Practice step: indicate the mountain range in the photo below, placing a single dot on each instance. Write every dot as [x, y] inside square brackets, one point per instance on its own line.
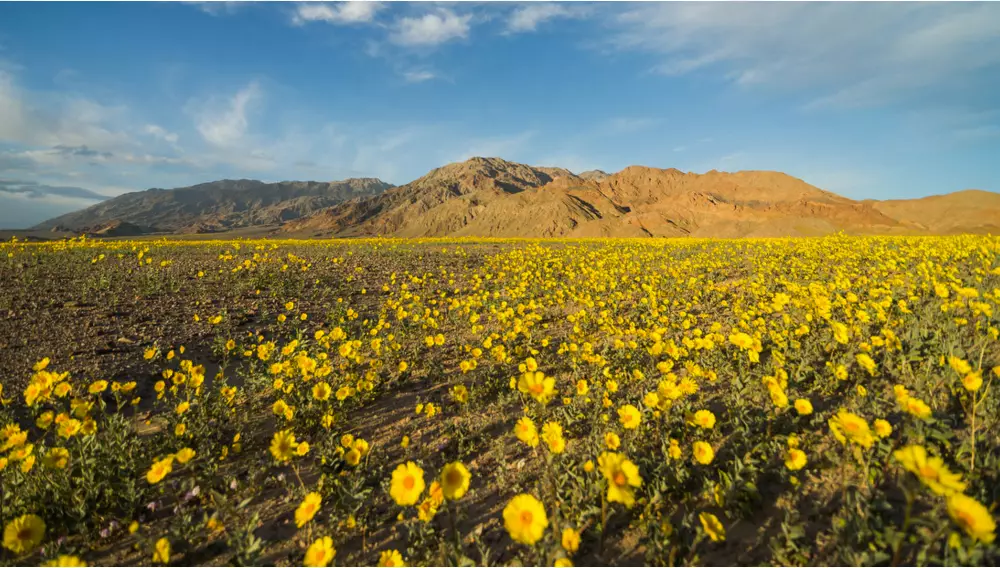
[492, 197]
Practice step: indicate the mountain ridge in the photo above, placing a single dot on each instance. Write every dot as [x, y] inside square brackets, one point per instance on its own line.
[493, 197]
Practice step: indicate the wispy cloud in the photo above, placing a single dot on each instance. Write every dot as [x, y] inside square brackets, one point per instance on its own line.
[529, 17]
[418, 76]
[358, 12]
[224, 125]
[160, 133]
[848, 54]
[433, 28]
[628, 125]
[36, 190]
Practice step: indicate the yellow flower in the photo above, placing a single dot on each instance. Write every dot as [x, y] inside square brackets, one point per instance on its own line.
[307, 509]
[407, 484]
[972, 516]
[552, 434]
[403, 366]
[703, 419]
[882, 428]
[66, 560]
[56, 458]
[455, 480]
[525, 519]
[160, 469]
[931, 470]
[320, 552]
[460, 394]
[24, 534]
[185, 455]
[612, 441]
[41, 365]
[526, 431]
[712, 526]
[570, 540]
[405, 442]
[97, 387]
[581, 388]
[563, 563]
[391, 558]
[622, 476]
[795, 459]
[674, 451]
[161, 552]
[322, 391]
[283, 445]
[803, 407]
[973, 381]
[847, 426]
[588, 466]
[180, 429]
[70, 428]
[959, 365]
[629, 416]
[183, 407]
[537, 385]
[916, 407]
[703, 452]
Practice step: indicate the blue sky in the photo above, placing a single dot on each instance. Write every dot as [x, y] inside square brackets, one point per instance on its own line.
[869, 100]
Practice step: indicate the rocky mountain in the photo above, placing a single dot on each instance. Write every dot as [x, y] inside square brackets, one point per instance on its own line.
[494, 197]
[213, 207]
[968, 211]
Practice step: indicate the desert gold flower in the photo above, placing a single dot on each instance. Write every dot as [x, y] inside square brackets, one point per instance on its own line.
[931, 470]
[185, 455]
[455, 480]
[570, 540]
[391, 558]
[629, 416]
[66, 560]
[703, 419]
[803, 407]
[703, 452]
[320, 552]
[526, 431]
[972, 516]
[882, 428]
[307, 509]
[795, 459]
[849, 427]
[612, 441]
[23, 534]
[160, 469]
[407, 484]
[161, 551]
[283, 445]
[622, 476]
[525, 519]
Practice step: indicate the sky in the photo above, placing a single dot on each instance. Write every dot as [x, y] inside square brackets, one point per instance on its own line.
[868, 100]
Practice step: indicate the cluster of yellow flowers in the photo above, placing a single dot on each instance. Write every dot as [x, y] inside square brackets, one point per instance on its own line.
[659, 383]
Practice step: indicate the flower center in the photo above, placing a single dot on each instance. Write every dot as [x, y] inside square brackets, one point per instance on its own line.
[527, 517]
[619, 478]
[928, 472]
[453, 477]
[409, 482]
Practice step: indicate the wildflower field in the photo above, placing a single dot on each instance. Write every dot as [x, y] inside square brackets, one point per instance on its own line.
[826, 401]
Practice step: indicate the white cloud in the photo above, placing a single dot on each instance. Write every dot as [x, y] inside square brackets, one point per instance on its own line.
[39, 119]
[431, 29]
[841, 54]
[527, 18]
[160, 133]
[224, 127]
[418, 76]
[340, 13]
